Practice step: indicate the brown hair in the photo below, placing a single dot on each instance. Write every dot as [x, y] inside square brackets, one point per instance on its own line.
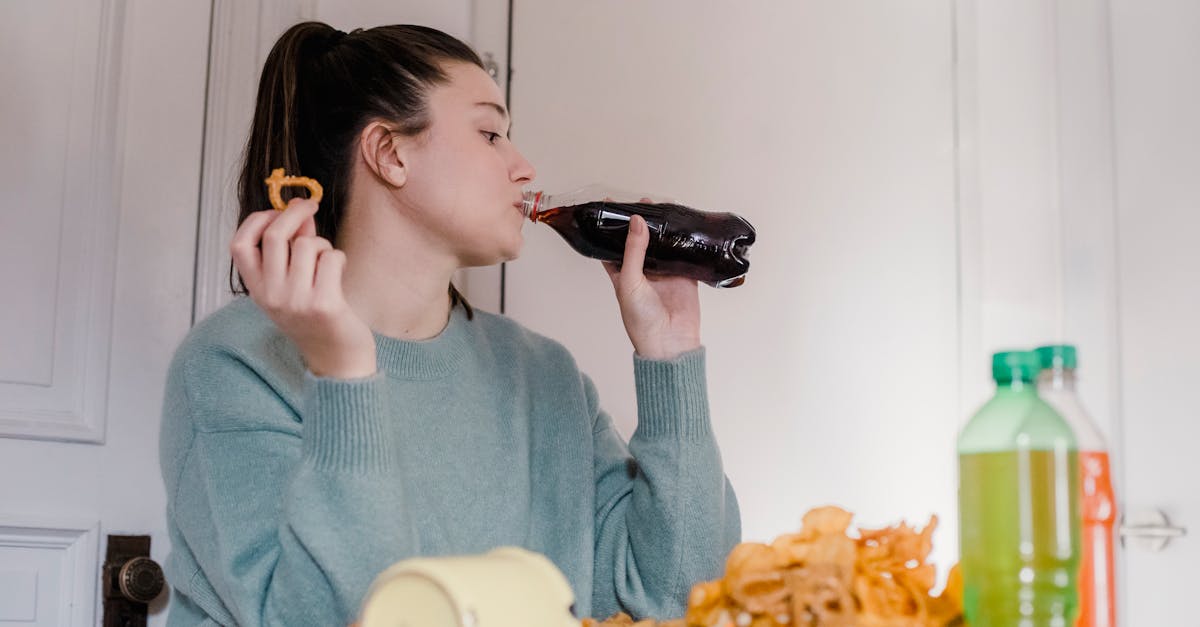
[319, 88]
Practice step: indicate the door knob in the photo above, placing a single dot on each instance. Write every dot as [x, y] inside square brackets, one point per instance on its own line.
[140, 580]
[130, 581]
[1150, 530]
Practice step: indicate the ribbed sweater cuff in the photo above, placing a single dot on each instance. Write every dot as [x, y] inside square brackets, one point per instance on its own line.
[672, 396]
[344, 425]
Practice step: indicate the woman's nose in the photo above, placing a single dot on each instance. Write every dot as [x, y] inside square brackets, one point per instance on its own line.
[522, 171]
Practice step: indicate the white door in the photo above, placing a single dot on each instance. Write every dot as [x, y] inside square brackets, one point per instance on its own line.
[102, 132]
[1156, 50]
[100, 142]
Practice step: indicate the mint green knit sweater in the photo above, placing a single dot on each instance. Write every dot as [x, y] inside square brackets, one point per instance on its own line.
[288, 493]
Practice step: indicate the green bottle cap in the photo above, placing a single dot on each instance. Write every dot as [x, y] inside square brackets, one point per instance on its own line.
[1009, 366]
[1058, 356]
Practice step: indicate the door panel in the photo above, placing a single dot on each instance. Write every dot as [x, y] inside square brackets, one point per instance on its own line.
[99, 169]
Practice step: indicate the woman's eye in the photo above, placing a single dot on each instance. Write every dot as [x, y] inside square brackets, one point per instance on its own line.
[491, 137]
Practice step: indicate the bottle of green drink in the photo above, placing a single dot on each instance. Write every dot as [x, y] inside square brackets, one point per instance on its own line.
[1018, 505]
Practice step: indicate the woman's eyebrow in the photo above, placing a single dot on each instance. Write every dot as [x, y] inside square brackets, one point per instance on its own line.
[499, 108]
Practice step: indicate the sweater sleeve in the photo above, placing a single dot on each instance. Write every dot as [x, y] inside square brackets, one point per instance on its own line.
[288, 526]
[666, 516]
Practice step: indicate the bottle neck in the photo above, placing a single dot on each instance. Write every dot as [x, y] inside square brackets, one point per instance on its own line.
[1058, 379]
[534, 203]
[1016, 387]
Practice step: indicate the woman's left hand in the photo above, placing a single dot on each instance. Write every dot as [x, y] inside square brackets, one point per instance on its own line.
[661, 313]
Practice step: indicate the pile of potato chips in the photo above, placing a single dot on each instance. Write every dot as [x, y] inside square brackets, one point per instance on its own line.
[823, 577]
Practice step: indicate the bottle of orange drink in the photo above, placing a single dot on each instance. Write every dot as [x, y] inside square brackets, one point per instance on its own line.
[1097, 504]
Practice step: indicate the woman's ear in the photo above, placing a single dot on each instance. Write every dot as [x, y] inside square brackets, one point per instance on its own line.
[384, 152]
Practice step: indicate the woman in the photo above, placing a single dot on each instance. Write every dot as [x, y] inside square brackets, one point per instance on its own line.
[352, 410]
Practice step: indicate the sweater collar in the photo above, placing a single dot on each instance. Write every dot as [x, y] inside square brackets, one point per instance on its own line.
[434, 358]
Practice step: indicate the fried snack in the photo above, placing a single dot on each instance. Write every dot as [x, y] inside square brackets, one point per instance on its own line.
[947, 608]
[754, 579]
[278, 180]
[894, 580]
[709, 605]
[823, 576]
[820, 595]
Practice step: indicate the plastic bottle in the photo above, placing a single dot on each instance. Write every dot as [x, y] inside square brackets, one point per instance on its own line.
[1097, 503]
[1018, 505]
[712, 248]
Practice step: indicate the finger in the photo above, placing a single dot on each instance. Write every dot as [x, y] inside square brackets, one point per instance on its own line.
[247, 257]
[635, 247]
[613, 270]
[302, 271]
[308, 228]
[277, 238]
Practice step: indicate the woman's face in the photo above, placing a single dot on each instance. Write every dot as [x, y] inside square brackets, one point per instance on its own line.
[464, 177]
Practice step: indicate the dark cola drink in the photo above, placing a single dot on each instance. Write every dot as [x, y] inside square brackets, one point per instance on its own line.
[712, 248]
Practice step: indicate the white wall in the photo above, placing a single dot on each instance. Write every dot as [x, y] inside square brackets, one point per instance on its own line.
[453, 17]
[930, 182]
[829, 125]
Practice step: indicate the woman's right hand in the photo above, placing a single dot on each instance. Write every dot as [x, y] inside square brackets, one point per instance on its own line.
[296, 278]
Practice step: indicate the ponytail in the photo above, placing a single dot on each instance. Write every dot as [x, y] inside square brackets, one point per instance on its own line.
[319, 88]
[274, 130]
